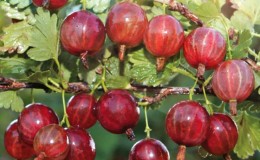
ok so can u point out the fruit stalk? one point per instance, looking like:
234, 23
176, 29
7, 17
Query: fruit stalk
183, 10
233, 107
227, 157
181, 153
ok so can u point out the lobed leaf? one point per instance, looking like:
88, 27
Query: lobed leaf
16, 37
249, 135
40, 77
20, 3
10, 100
98, 6
44, 37
16, 67
245, 40
144, 69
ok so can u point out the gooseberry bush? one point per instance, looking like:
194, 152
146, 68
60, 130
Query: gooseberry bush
197, 62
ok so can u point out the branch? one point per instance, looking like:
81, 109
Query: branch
183, 10
163, 92
252, 64
11, 84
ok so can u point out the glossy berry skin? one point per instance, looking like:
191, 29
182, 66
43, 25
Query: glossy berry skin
34, 117
164, 36
117, 111
187, 123
81, 111
149, 149
50, 4
233, 81
223, 135
126, 23
82, 145
51, 142
14, 145
82, 32
204, 46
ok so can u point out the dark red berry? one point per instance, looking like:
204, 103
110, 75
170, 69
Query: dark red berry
223, 135
118, 112
34, 117
163, 38
149, 149
125, 25
51, 142
82, 145
233, 81
82, 34
50, 4
81, 110
204, 48
187, 124
14, 145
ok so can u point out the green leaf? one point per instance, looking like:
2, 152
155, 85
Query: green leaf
257, 79
44, 37
69, 66
241, 21
250, 106
116, 68
89, 75
16, 37
41, 77
98, 6
9, 99
245, 40
207, 11
144, 69
249, 135
19, 12
20, 3
16, 67
118, 82
249, 9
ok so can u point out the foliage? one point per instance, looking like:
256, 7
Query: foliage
31, 52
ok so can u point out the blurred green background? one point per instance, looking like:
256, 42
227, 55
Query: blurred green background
110, 146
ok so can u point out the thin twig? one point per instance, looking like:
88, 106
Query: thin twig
183, 10
252, 64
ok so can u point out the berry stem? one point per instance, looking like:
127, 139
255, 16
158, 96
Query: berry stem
32, 97
83, 58
181, 153
160, 63
229, 48
84, 4
183, 10
65, 115
147, 128
192, 89
233, 107
121, 54
103, 79
200, 71
209, 108
227, 157
183, 72
130, 134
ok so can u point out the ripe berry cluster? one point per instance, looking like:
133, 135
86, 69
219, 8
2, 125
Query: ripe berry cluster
83, 33
37, 133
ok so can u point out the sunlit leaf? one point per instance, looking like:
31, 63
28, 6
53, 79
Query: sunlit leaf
10, 100
44, 37
16, 37
249, 135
